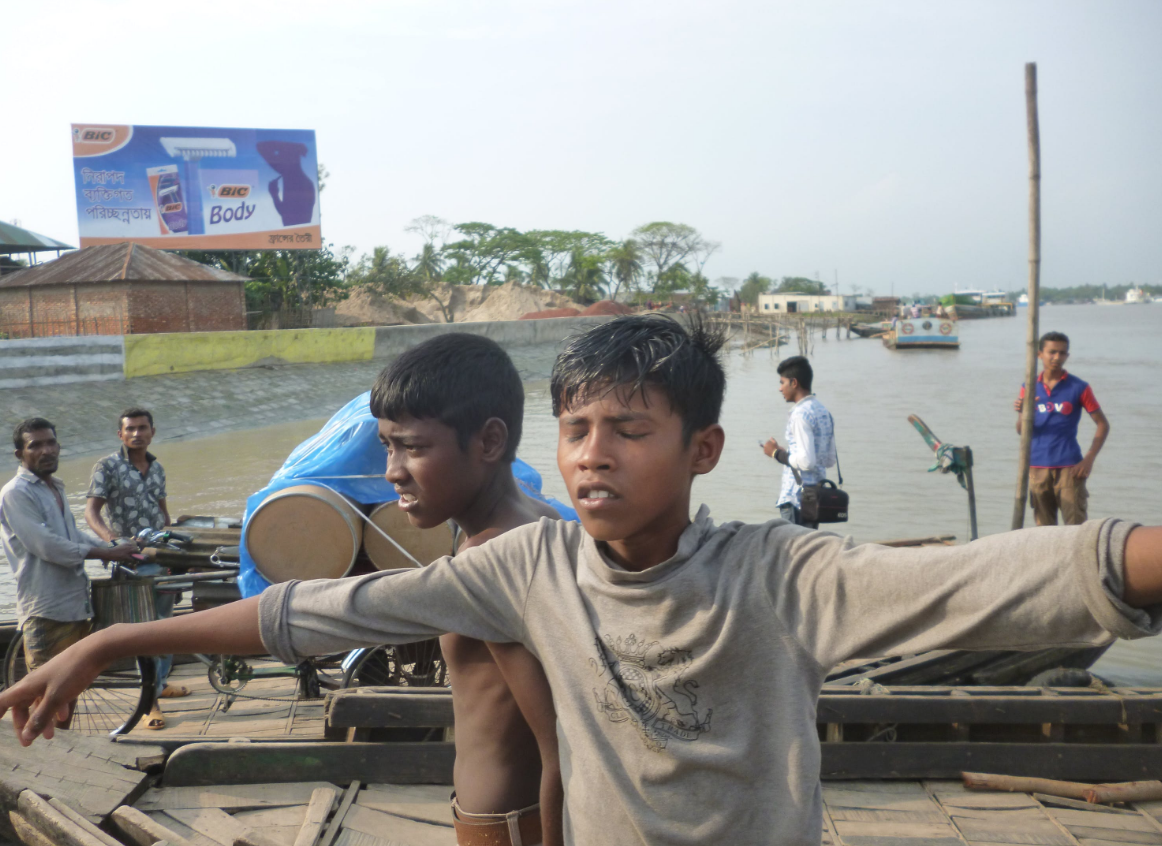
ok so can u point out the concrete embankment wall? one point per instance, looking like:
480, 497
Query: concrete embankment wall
204, 383
58, 361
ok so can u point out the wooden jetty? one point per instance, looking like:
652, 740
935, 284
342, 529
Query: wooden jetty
892, 759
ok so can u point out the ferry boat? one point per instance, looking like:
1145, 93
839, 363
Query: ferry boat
923, 333
1136, 296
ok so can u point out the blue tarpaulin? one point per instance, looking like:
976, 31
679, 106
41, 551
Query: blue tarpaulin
347, 456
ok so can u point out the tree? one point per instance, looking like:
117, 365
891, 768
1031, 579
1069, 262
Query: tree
667, 244
801, 285
429, 264
583, 278
625, 261
752, 286
485, 249
386, 274
557, 248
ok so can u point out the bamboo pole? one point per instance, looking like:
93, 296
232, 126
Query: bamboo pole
1034, 134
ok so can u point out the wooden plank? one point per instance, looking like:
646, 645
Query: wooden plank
231, 797
89, 774
350, 837
219, 826
241, 763
184, 830
1067, 761
316, 817
143, 830
340, 815
291, 815
380, 707
379, 824
27, 833
428, 803
1062, 802
52, 823
984, 710
83, 823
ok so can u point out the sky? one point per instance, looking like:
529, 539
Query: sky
879, 144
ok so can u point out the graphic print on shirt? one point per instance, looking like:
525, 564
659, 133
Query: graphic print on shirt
1060, 407
645, 685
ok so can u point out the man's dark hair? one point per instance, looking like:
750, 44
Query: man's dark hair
646, 350
30, 424
797, 367
459, 379
1051, 337
130, 413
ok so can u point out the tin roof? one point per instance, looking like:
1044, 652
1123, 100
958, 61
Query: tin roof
13, 239
117, 263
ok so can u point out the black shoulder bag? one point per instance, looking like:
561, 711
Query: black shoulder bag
824, 502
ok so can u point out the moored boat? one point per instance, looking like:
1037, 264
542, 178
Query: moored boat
923, 333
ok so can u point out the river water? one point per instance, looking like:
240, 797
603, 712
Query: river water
964, 396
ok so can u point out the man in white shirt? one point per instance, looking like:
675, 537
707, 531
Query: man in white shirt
810, 438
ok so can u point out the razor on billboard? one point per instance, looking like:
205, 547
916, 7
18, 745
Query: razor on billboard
186, 188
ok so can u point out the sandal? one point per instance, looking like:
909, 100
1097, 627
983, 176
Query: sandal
172, 691
155, 723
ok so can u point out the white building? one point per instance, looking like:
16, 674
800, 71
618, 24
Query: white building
800, 303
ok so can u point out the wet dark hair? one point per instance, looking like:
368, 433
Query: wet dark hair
643, 350
797, 367
459, 379
30, 424
1051, 337
130, 413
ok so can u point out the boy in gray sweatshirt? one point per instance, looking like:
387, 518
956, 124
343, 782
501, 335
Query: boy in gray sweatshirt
685, 658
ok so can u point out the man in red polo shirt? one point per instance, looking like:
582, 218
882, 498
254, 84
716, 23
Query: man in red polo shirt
1057, 470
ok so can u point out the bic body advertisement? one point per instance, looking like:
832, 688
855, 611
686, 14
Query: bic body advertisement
182, 188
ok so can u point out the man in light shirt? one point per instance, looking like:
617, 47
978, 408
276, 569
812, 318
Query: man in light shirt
810, 436
45, 549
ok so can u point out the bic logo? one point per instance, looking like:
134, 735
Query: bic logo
230, 192
94, 134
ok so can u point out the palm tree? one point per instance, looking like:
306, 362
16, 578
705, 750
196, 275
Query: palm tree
626, 265
583, 278
429, 264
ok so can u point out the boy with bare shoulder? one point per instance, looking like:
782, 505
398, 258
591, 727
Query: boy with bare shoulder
450, 413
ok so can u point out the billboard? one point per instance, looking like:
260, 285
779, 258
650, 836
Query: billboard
185, 188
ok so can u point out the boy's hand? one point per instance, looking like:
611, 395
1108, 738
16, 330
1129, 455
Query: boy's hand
1018, 404
770, 448
1082, 470
44, 697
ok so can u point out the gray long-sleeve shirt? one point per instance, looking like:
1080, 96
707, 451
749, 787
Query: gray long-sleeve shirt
686, 693
45, 550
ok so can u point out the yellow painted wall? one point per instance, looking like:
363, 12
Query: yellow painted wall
181, 352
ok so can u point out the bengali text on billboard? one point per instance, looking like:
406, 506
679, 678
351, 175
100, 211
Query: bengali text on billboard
196, 188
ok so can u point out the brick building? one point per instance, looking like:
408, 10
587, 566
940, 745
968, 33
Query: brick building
120, 289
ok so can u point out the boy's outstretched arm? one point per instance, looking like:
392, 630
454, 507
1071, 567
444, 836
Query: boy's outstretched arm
1143, 567
46, 693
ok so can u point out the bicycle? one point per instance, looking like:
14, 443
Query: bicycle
122, 693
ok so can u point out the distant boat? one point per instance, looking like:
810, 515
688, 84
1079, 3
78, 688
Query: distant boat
1023, 300
923, 333
1136, 296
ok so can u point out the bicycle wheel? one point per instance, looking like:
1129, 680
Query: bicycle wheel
112, 704
410, 665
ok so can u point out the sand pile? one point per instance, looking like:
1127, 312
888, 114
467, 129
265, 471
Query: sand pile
365, 308
469, 303
607, 308
550, 312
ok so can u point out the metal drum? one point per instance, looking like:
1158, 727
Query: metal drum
122, 601
304, 532
425, 544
